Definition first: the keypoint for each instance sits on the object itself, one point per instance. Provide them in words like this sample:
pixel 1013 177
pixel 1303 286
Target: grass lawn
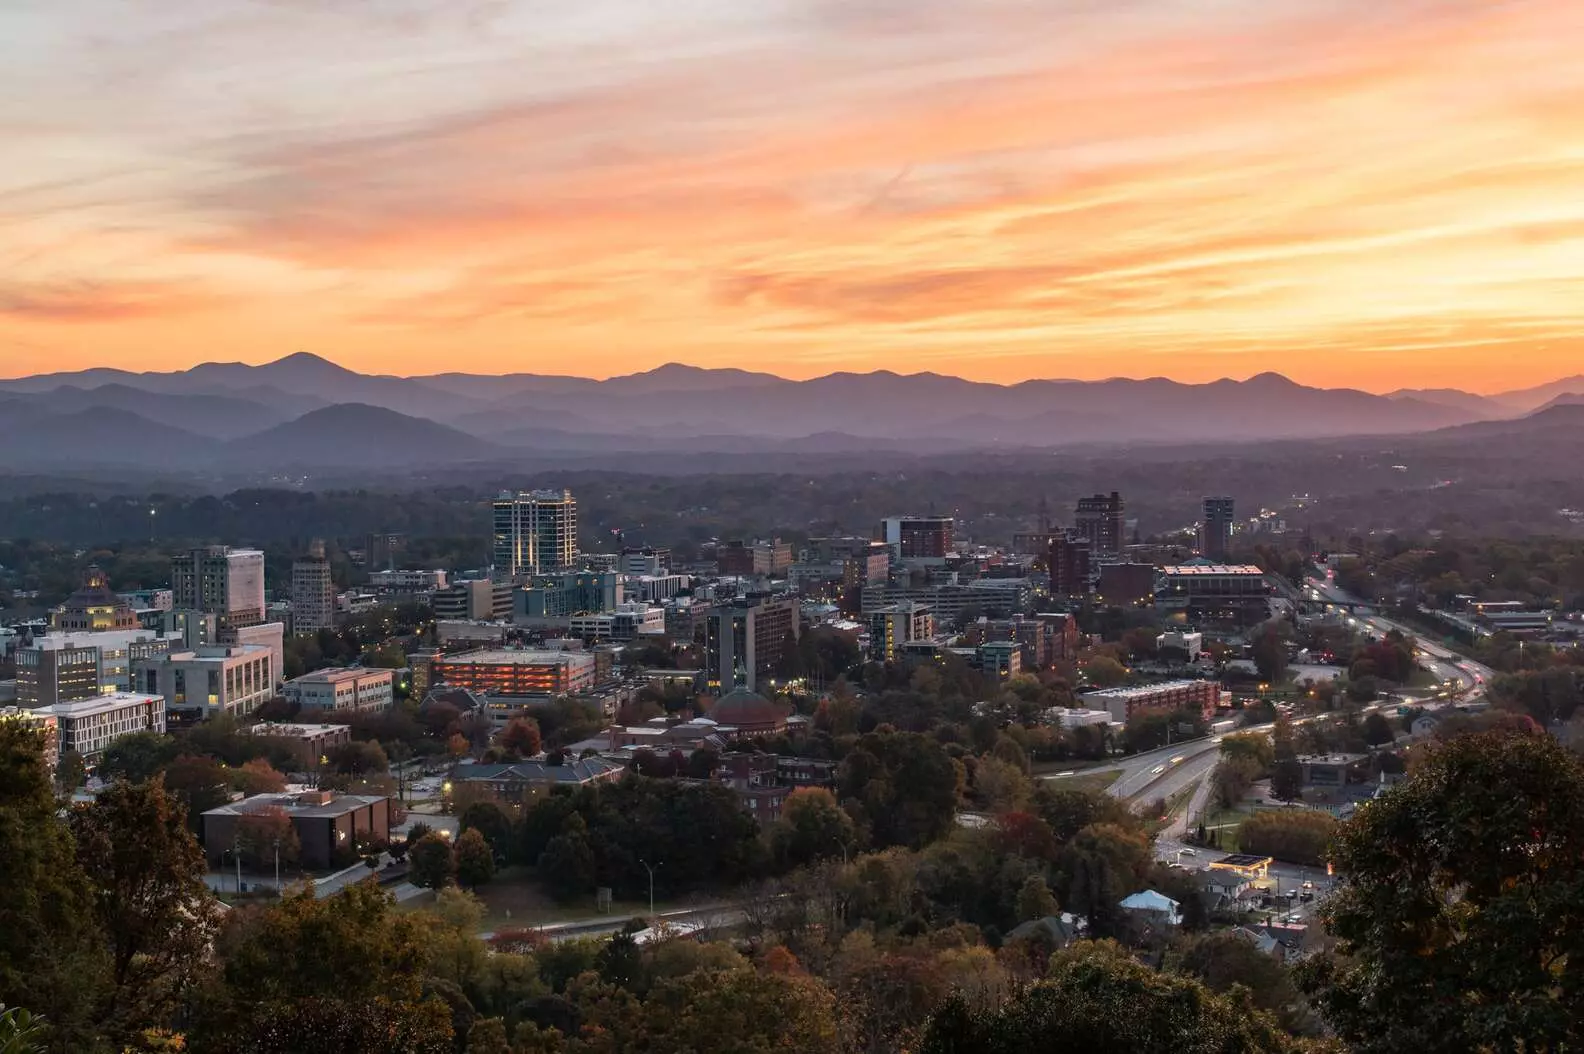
pixel 1224 824
pixel 1093 782
pixel 515 898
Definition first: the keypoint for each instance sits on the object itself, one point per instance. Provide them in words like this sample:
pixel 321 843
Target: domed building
pixel 94 607
pixel 749 713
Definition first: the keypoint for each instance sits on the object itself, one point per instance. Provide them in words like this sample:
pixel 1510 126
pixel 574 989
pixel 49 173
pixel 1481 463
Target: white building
pixel 407 581
pixel 1067 717
pixel 1154 906
pixel 231 679
pixel 87 726
pixel 117 651
pixel 359 689
pixel 627 622
pixel 1182 640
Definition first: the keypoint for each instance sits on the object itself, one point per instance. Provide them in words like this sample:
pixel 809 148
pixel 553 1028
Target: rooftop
pixel 1240 861
pixel 337 675
pixel 298 731
pixel 1140 690
pixel 101 704
pixel 515 657
pixel 1212 569
pixel 325 804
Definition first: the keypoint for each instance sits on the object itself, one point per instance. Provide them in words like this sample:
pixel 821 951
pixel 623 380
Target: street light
pixel 651 871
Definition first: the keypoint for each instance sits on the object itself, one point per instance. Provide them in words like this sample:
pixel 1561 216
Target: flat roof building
pixel 87 726
pixel 1169 696
pixel 329 825
pixel 233 679
pixel 517 671
pixel 355 690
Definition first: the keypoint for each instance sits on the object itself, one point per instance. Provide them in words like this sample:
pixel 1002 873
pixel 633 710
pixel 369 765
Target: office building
pixel 142 600
pixel 1099 522
pixel 627 622
pixel 647 561
pixel 893 626
pixel 745 641
pixel 769 558
pixel 87 726
pixel 1071 564
pixel 271 635
pixel 1235 594
pixel 309 742
pixel 94 607
pixel 114 654
pixel 516 671
pixel 919 539
pixel 53 673
pixel 1215 529
pixel 535 532
pixel 407 582
pixel 357 690
pixel 312 592
pixel 227 583
pixel 477 600
pixel 563 595
pixel 233 679
pixel 1123 703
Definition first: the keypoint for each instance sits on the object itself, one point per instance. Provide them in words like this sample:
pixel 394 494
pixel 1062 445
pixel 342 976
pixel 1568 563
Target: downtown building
pixel 221 581
pixel 1215 528
pixel 744 641
pixel 232 679
pixel 313 601
pixel 1099 521
pixel 919 539
pixel 535 532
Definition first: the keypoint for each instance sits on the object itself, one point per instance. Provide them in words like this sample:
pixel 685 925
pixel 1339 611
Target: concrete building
pixel 149 599
pixel 309 742
pixel 517 672
pixel 535 532
pixel 409 583
pixel 744 641
pixel 94 607
pixel 357 690
pixel 769 558
pixel 479 600
pixel 919 539
pixel 227 583
pixel 647 561
pixel 50 675
pixel 271 635
pixel 87 726
pixel 1167 697
pixel 1215 528
pixel 627 622
pixel 329 825
pixel 1099 521
pixel 312 592
pixel 654 589
pixel 1189 643
pixel 893 626
pixel 233 679
pixel 1215 593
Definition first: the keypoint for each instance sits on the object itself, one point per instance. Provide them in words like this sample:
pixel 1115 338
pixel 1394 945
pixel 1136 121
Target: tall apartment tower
pixel 1071 567
pixel 919 538
pixel 535 532
pixel 312 592
pixel 1215 529
pixel 1099 522
pixel 227 583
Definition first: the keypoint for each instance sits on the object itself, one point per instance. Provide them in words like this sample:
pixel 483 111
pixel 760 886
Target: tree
pixel 1298 836
pixel 71 772
pixel 1459 925
pixel 812 827
pixel 1103 671
pixel 1000 786
pixel 137 756
pixel 492 823
pixel 150 899
pixel 520 738
pixel 259 777
pixel 430 863
pixel 475 860
pixel 907 785
pixel 199 783
pixel 259 835
pixel 20 1031
pixel 1034 899
pixel 53 958
pixel 1097 997
pixel 1270 653
pixel 1228 958
pixel 1101 865
pixel 1287 779
pixel 1378 730
pixel 567 865
pixel 358 759
pixel 488 1036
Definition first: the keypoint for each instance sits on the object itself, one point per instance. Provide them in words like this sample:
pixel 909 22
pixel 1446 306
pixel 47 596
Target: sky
pixel 1364 193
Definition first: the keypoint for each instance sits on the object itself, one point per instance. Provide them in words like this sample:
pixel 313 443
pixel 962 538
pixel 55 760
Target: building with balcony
pixel 895 625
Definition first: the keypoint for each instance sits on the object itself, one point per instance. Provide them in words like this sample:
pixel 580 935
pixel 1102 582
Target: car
pixel 1308 885
pixel 1292 918
pixel 1157 770
pixel 1185 851
pixel 1306 896
pixel 1177 760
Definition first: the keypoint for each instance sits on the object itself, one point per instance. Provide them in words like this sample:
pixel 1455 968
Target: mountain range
pixel 304 411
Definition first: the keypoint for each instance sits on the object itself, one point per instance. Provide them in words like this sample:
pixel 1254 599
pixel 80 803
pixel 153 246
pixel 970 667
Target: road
pixel 692 920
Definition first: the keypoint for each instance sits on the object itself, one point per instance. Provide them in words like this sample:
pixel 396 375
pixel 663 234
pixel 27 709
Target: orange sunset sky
pixel 1374 193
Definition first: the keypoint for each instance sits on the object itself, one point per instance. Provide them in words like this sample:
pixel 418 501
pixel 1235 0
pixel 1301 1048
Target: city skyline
pixel 1334 192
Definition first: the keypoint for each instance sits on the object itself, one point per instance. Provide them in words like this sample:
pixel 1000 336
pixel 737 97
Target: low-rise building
pixel 329 825
pixel 407 582
pixel 311 743
pixel 1153 907
pixel 233 679
pixel 1170 696
pixel 515 783
pixel 357 689
pixel 87 726
pixel 517 671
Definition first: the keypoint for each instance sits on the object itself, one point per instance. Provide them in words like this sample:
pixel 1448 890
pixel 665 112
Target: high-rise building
pixel 1215 528
pixel 921 539
pixel 745 641
pixel 893 626
pixel 312 592
pixel 94 607
pixel 227 583
pixel 1099 522
pixel 535 532
pixel 1071 563
pixel 58 673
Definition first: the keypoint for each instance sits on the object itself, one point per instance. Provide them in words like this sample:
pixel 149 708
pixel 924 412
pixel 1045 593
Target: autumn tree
pixel 812 827
pixel 490 821
pixel 71 772
pixel 520 738
pixel 199 783
pixel 260 834
pixel 258 776
pixel 906 784
pixel 147 875
pixel 138 756
pixel 1460 921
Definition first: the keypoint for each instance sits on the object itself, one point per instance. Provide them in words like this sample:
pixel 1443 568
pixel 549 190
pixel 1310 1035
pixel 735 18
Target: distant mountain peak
pixel 1272 379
